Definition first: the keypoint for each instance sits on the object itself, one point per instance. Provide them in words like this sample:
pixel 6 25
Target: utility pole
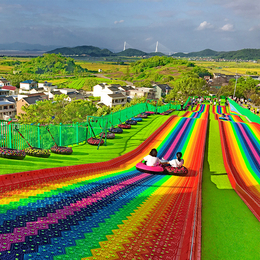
pixel 235 87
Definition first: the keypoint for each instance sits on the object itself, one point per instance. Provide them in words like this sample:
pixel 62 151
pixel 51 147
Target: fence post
pixel 39 134
pixel 77 133
pixel 60 134
pixel 10 133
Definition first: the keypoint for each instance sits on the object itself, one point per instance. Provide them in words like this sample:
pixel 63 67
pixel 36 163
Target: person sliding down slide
pixel 223 117
pixel 152 159
pixel 175 166
pixel 151 165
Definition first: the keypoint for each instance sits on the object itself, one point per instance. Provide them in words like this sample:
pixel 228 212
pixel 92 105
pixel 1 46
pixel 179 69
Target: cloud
pixel 227 27
pixel 246 8
pixel 116 22
pixel 204 25
pixel 149 39
pixel 254 28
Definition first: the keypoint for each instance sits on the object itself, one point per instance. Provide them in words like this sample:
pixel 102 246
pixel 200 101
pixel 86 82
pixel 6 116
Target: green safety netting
pixel 38 136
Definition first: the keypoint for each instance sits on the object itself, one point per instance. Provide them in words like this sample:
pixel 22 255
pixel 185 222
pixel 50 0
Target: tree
pixel 90 83
pixel 186 87
pixel 59 111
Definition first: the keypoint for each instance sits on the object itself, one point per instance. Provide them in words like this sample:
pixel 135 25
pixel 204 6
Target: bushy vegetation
pixel 59 111
pixel 188 86
pixel 245 88
pixel 142 65
pixel 49 64
pixel 11 63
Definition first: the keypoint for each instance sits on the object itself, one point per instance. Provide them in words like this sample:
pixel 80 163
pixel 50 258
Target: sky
pixel 177 25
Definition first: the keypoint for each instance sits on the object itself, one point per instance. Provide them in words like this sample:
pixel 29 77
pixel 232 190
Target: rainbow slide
pixel 109 210
pixel 241 152
pixel 219 110
pixel 201 111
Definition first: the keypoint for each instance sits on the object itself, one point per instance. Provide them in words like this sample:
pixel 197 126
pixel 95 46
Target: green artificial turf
pixel 230 231
pixel 85 153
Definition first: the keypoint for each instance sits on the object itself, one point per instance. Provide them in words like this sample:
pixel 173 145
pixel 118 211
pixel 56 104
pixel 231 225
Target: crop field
pixel 77 84
pixel 5 68
pixel 59 81
pixel 230 67
pixel 95 66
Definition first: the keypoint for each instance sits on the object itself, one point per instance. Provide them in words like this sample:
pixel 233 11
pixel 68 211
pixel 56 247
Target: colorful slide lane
pixel 219 110
pixel 241 151
pixel 201 111
pixel 109 210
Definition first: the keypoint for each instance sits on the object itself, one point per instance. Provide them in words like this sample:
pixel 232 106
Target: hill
pixel 20 46
pixel 204 53
pixel 244 54
pixel 83 51
pixel 49 63
pixel 131 52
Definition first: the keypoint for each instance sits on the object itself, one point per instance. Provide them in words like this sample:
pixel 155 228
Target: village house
pixel 72 94
pixel 46 86
pixel 104 88
pixel 4 82
pixel 29 87
pixel 7 108
pixel 75 96
pixel 161 90
pixel 110 95
pixel 255 77
pixel 150 93
pixel 29 100
pixel 13 91
pixel 113 99
pixel 4 92
pixel 126 89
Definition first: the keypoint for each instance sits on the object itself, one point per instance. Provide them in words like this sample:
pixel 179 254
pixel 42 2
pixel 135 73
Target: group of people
pixel 242 101
pixel 172 166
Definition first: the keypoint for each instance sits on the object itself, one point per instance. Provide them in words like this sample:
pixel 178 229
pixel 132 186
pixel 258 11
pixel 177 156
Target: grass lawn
pixel 230 231
pixel 86 153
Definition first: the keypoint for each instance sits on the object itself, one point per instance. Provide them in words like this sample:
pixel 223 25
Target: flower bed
pixel 37 152
pixel 61 150
pixel 10 153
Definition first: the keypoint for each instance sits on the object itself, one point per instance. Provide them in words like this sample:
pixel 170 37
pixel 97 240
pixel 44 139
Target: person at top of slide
pixel 152 159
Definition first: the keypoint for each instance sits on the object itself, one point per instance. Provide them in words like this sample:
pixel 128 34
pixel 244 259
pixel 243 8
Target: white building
pixel 99 89
pixel 46 86
pixel 113 99
pixel 13 91
pixel 7 108
pixel 4 82
pixel 142 92
pixel 30 87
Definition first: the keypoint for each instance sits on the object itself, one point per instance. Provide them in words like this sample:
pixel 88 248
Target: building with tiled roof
pixel 4 82
pixel 7 108
pixel 27 101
